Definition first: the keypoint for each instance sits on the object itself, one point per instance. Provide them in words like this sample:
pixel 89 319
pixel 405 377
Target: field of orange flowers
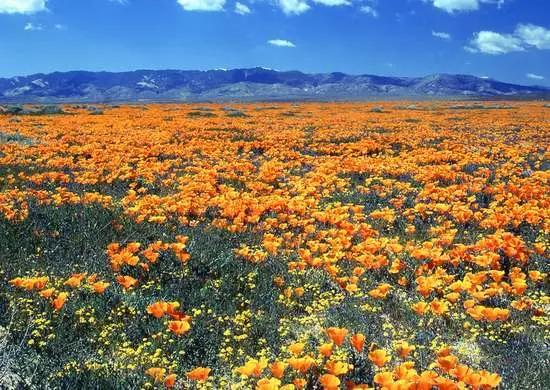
pixel 276 246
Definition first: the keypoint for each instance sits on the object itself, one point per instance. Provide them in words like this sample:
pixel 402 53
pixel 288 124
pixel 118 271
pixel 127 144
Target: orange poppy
pixel 100 287
pixel 296 348
pixel 278 369
pixel 379 357
pixel 337 335
pixel 73 281
pixel 170 380
pixel 338 368
pixel 157 373
pixel 460 371
pixel 268 384
pixel 157 309
pixel 404 349
pixel 59 302
pixel 489 380
pixel 326 349
pixel 179 327
pixel 329 382
pixel 384 379
pixel 420 307
pixel 47 293
pixel 302 364
pixel 358 341
pixel 447 362
pixel 253 367
pixel 199 374
pixel 127 282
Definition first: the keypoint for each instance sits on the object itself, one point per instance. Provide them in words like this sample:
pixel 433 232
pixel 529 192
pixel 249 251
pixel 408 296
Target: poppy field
pixel 276 246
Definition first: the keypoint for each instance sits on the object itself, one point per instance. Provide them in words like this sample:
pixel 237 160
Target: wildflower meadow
pixel 276 246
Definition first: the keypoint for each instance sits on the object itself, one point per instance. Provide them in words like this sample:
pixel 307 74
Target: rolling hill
pixel 248 85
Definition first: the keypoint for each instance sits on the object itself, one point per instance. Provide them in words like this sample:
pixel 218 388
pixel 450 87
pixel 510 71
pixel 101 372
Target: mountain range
pixel 251 84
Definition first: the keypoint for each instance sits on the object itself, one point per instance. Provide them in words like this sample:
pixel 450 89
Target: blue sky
pixel 507 40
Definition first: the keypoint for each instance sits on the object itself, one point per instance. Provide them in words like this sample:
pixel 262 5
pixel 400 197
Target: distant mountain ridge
pixel 251 84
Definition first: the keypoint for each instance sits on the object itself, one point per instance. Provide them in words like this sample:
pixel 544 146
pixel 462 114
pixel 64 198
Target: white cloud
pixel 442 35
pixel 534 35
pixel 241 9
pixel 452 6
pixel 293 7
pixel 367 9
pixel 332 3
pixel 525 36
pixel 60 27
pixel 202 5
pixel 281 43
pixel 33 27
pixel 490 42
pixel 534 76
pixel 22 6
pixel 456 5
